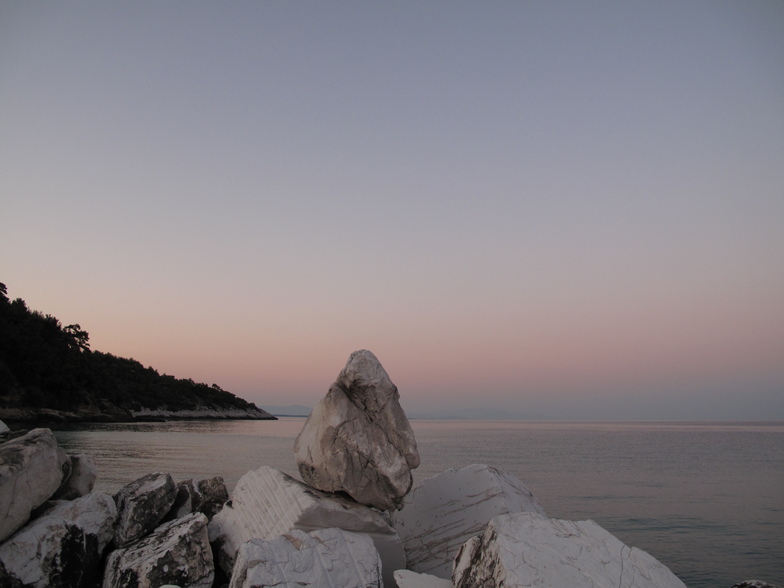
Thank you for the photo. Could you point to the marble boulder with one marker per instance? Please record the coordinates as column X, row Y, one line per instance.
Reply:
column 528, row 549
column 142, row 504
column 177, row 552
column 409, row 579
column 82, row 479
column 444, row 511
column 267, row 503
column 205, row 495
column 32, row 468
column 357, row 439
column 320, row 559
column 64, row 546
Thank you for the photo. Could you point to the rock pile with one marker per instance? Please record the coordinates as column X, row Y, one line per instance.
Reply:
column 354, row 521
column 56, row 531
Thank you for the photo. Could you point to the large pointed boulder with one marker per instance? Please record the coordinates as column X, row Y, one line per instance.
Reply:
column 357, row 439
column 528, row 549
column 32, row 467
column 444, row 511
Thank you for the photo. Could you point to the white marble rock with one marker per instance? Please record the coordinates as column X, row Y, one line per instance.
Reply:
column 82, row 479
column 142, row 504
column 267, row 503
column 177, row 552
column 64, row 546
column 357, row 439
column 409, row 579
column 324, row 558
column 32, row 467
column 442, row 512
column 527, row 549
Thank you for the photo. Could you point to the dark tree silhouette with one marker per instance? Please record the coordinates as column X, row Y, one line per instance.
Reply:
column 46, row 365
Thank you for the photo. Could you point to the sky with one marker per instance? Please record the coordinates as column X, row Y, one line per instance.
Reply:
column 567, row 210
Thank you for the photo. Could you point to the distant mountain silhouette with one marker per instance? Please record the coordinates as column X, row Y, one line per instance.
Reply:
column 484, row 414
column 49, row 372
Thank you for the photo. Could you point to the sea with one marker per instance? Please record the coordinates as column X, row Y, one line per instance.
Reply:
column 704, row 498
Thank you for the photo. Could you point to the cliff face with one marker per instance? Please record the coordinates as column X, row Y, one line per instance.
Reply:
column 49, row 373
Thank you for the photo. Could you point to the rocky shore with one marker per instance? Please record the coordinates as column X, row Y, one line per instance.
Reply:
column 113, row 414
column 355, row 521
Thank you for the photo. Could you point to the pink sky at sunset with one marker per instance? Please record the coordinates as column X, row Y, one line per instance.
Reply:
column 563, row 210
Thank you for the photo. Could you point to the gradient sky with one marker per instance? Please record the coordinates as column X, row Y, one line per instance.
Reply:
column 562, row 209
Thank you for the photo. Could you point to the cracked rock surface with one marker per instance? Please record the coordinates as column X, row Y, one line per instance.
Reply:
column 444, row 511
column 409, row 579
column 62, row 547
column 527, row 549
column 267, row 503
column 357, row 439
column 323, row 558
column 142, row 504
column 32, row 467
column 177, row 552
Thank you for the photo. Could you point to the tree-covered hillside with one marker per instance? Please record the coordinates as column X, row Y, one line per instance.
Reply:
column 45, row 365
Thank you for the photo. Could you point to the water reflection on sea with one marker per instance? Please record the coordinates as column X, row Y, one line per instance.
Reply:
column 707, row 499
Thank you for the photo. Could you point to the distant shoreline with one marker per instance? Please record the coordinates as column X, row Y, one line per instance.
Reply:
column 50, row 416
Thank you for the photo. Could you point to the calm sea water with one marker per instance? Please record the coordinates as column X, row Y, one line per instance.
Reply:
column 705, row 498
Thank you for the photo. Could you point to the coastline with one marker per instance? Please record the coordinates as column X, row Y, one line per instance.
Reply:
column 681, row 492
column 40, row 416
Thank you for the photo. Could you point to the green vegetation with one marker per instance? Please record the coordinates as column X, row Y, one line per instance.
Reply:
column 44, row 365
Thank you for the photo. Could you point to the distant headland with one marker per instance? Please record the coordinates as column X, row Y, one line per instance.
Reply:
column 48, row 373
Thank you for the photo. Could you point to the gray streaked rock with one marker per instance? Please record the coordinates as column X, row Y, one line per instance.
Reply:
column 82, row 478
column 209, row 495
column 527, row 549
column 177, row 552
column 205, row 495
column 444, row 511
column 32, row 467
column 182, row 505
column 357, row 439
column 320, row 559
column 4, row 428
column 267, row 503
column 64, row 546
column 142, row 504
column 409, row 579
